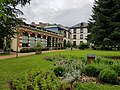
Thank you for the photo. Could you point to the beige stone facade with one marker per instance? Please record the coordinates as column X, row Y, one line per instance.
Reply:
column 79, row 33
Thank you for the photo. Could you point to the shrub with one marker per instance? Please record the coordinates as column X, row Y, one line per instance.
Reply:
column 83, row 46
column 108, row 76
column 116, row 68
column 25, row 50
column 68, row 44
column 104, row 60
column 35, row 80
column 94, row 69
column 59, row 71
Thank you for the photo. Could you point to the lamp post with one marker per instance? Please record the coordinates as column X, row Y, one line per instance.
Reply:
column 17, row 43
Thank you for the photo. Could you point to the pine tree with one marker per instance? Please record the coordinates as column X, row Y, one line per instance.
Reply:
column 105, row 23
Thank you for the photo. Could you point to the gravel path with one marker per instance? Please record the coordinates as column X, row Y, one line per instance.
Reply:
column 13, row 55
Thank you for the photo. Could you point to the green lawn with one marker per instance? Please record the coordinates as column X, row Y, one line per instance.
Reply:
column 10, row 68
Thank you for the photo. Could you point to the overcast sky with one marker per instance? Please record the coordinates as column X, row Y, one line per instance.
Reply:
column 65, row 12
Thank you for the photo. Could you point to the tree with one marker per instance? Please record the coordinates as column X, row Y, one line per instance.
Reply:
column 69, row 44
column 9, row 18
column 105, row 23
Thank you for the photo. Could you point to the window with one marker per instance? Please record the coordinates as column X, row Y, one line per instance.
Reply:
column 24, row 39
column 68, row 35
column 38, row 38
column 81, row 42
column 74, row 36
column 65, row 34
column 74, row 43
column 81, row 36
column 81, row 24
column 74, row 31
column 81, row 30
column 32, row 40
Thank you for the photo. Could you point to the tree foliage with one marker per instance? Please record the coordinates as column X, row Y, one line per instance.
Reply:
column 9, row 17
column 105, row 23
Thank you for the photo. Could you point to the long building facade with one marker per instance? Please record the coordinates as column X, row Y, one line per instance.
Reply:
column 50, row 36
column 29, row 35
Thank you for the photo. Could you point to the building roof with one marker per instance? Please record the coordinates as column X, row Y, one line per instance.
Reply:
column 80, row 25
column 57, row 26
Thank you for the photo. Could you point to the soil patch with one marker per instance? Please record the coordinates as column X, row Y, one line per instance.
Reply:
column 113, row 57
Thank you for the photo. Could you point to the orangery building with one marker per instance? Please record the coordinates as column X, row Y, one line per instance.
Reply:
column 29, row 35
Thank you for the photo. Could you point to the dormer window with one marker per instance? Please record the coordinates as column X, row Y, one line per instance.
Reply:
column 81, row 24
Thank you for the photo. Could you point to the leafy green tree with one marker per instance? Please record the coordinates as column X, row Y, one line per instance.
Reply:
column 9, row 18
column 105, row 23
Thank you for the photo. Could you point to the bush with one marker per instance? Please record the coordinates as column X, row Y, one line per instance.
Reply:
column 116, row 68
column 108, row 76
column 68, row 44
column 36, row 80
column 94, row 69
column 105, row 48
column 83, row 46
column 59, row 71
column 104, row 60
column 25, row 50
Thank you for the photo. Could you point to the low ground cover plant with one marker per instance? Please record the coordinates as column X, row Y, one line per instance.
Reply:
column 36, row 80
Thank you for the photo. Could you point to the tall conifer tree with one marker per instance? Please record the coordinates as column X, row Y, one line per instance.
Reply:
column 105, row 23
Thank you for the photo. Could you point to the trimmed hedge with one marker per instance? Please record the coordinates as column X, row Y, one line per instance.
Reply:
column 108, row 76
column 94, row 69
column 25, row 50
column 116, row 68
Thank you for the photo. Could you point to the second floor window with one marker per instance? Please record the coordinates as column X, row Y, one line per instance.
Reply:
column 65, row 34
column 74, row 30
column 81, row 36
column 74, row 36
column 81, row 30
column 68, row 36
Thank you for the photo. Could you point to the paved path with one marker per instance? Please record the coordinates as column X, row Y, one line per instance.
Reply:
column 13, row 55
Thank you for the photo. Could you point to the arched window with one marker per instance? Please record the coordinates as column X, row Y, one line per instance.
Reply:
column 44, row 41
column 32, row 40
column 24, row 39
column 38, row 38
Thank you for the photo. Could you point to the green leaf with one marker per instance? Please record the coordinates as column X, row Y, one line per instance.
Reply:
column 10, row 1
column 2, row 0
column 1, row 15
column 6, row 0
column 5, row 18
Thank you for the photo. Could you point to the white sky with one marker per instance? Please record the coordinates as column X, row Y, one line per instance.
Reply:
column 65, row 12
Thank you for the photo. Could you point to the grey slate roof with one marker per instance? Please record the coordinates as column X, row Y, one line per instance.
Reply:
column 80, row 25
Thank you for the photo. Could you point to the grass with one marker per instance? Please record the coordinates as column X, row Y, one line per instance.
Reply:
column 10, row 68
column 92, row 86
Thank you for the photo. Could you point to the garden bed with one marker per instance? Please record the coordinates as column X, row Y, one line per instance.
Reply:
column 113, row 57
